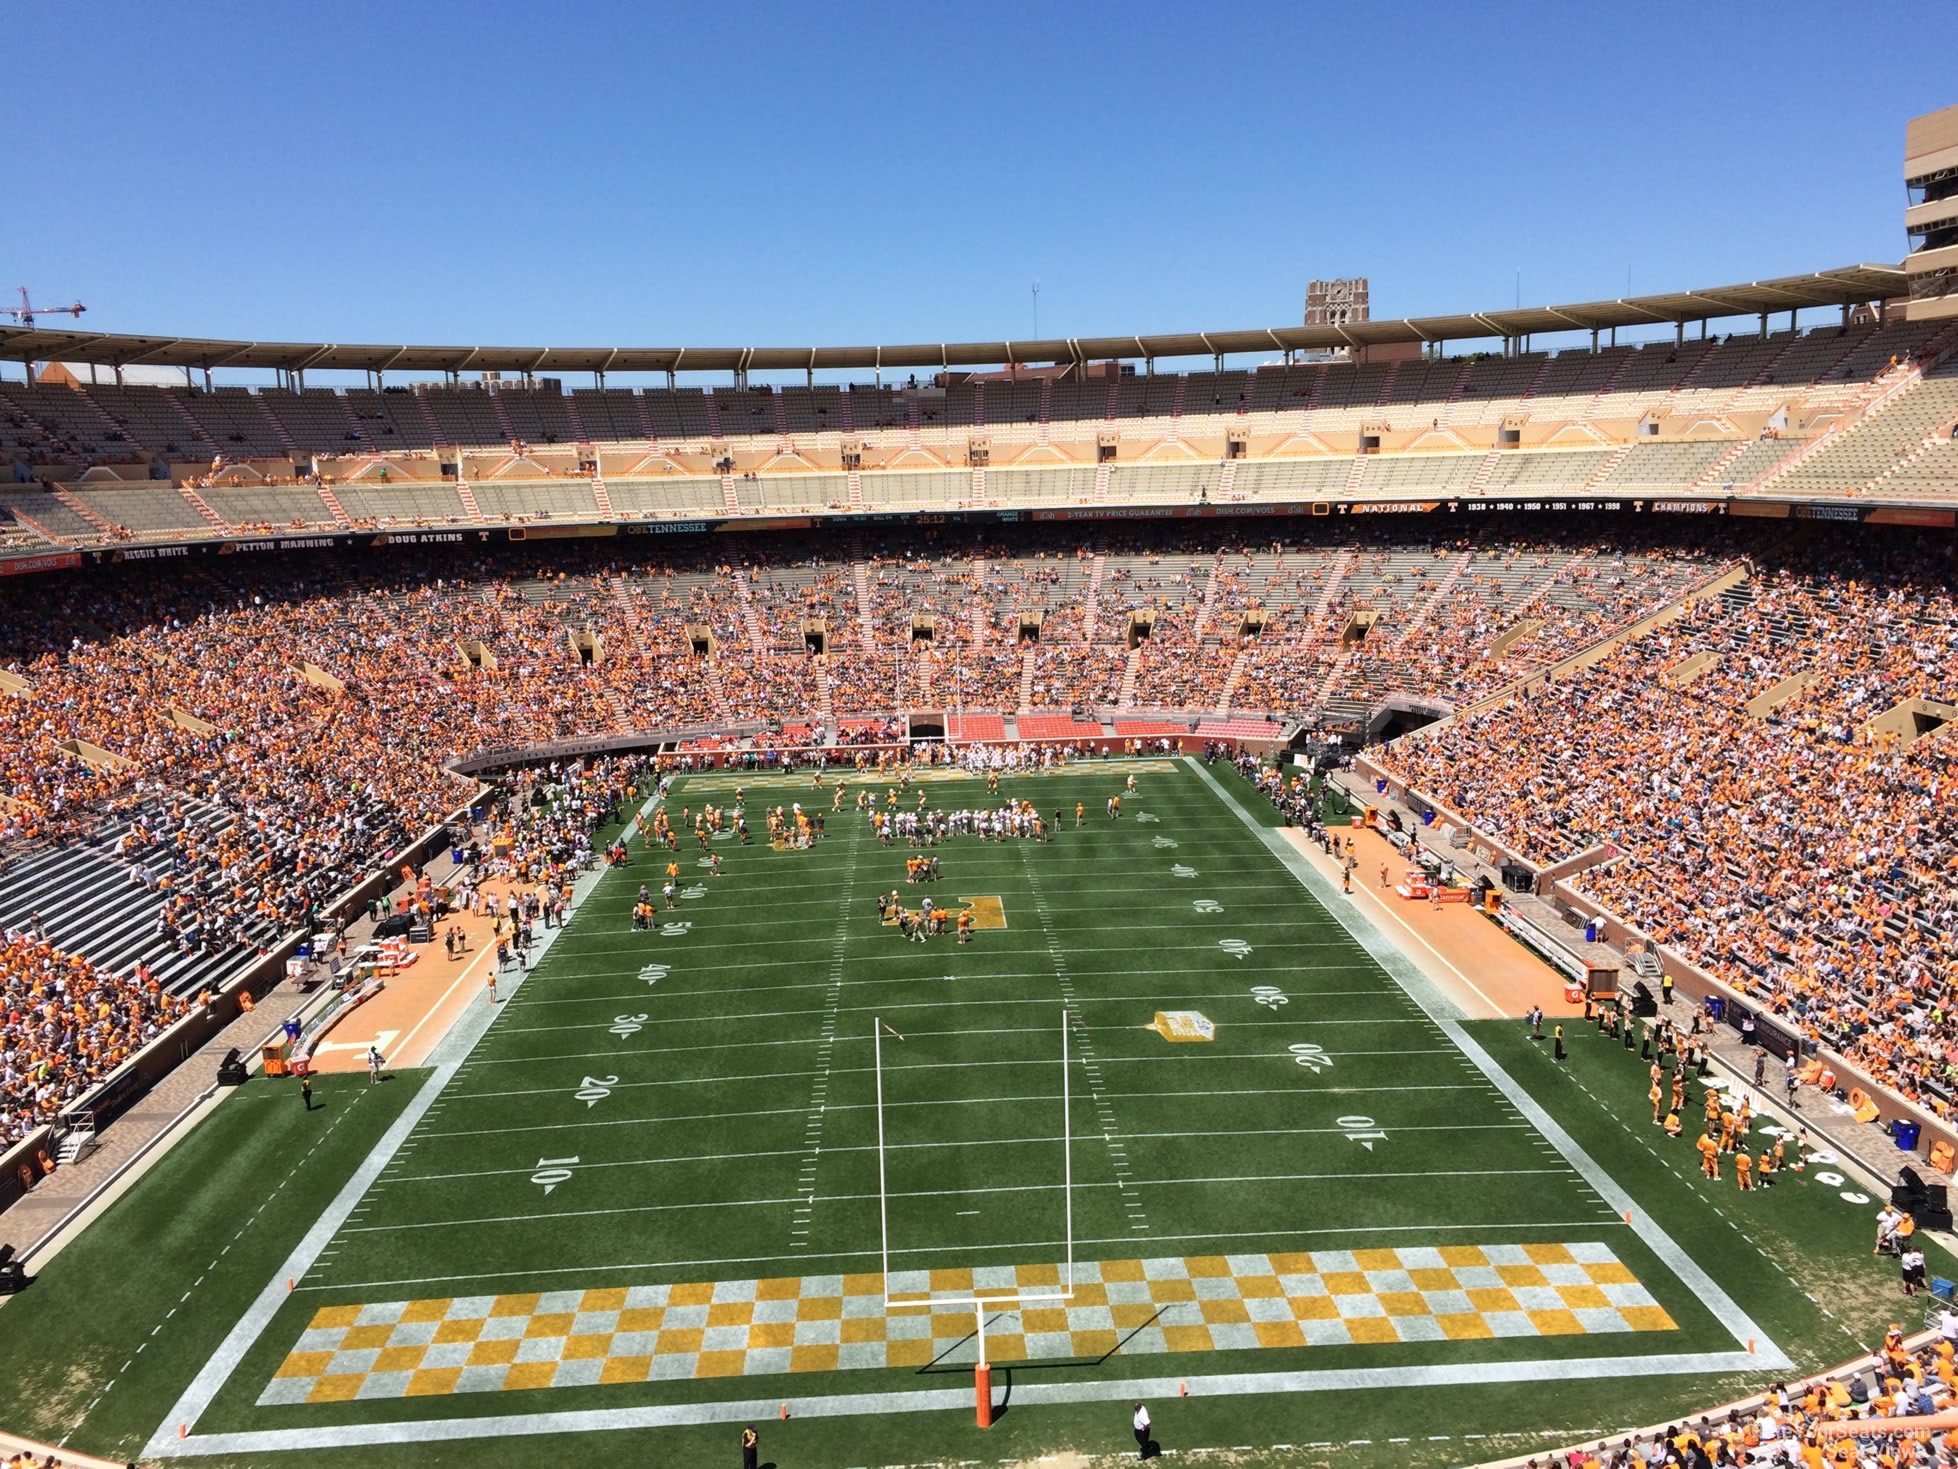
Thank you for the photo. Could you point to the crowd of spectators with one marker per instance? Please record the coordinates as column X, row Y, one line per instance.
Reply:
column 252, row 736
column 1768, row 829
column 66, row 1023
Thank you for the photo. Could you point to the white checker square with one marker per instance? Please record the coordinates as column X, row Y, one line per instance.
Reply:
column 540, row 1349
column 1509, row 1323
column 818, row 1333
column 578, row 1372
column 766, row 1360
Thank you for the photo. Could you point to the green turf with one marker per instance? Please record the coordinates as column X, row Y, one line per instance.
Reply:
column 729, row 1142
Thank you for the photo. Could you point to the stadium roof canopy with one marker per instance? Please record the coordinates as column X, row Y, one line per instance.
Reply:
column 1846, row 286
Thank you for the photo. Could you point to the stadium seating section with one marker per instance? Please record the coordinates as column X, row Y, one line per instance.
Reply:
column 1850, row 411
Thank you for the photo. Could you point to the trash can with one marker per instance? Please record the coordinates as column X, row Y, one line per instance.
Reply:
column 1716, row 1008
column 1427, row 818
column 1590, row 930
column 1906, row 1135
column 1379, row 787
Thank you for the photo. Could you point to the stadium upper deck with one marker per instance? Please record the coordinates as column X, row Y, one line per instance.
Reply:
column 1852, row 412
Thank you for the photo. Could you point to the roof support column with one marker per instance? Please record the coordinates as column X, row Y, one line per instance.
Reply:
column 1594, row 339
column 1679, row 333
column 1845, row 313
column 1764, row 323
column 672, row 380
column 208, row 387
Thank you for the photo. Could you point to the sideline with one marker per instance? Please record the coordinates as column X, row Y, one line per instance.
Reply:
column 172, row 1436
column 1768, row 1357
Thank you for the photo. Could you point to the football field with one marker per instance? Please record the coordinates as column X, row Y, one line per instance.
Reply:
column 1164, row 1124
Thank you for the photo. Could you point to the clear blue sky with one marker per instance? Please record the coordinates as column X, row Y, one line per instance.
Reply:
column 761, row 173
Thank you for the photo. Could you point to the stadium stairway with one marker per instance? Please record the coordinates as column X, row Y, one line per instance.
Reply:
column 203, row 507
column 81, row 508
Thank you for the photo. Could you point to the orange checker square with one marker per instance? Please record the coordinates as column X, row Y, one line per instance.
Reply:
column 339, row 1388
column 1093, row 1344
column 720, row 1364
column 863, row 1285
column 677, row 1339
column 554, row 1324
column 1610, row 1272
column 498, row 1353
column 1295, row 1263
column 1125, row 1272
column 1163, row 1291
column 399, row 1359
column 427, row 1310
column 1347, row 1283
column 359, row 1338
column 1371, row 1329
column 693, row 1293
column 782, row 1288
column 1032, row 1275
column 1223, row 1311
column 304, row 1364
column 771, row 1334
column 330, row 1316
column 626, row 1369
column 813, row 1358
column 819, row 1308
column 1556, row 1323
column 1089, row 1293
column 1648, row 1318
column 641, row 1318
column 1280, row 1334
column 433, row 1382
column 1458, row 1257
column 1207, row 1266
column 953, row 1324
column 949, row 1282
column 1403, row 1303
column 1044, row 1318
column 1433, row 1279
column 586, row 1348
column 1520, row 1277
column 1548, row 1254
column 731, row 1313
column 529, row 1376
column 610, row 1299
column 1464, row 1326
column 863, row 1328
column 1131, row 1315
column 448, row 1333
column 1314, row 1308
column 1492, row 1299
column 1188, row 1338
column 1007, row 1346
column 525, row 1305
column 1376, row 1260
column 1582, row 1297
column 908, row 1353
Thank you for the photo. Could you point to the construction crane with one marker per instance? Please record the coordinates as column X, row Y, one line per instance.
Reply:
column 27, row 311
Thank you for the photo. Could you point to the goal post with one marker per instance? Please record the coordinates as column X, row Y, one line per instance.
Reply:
column 980, row 1304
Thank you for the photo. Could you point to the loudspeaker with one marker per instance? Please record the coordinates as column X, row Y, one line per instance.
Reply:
column 1644, row 1006
column 1518, row 878
column 1936, row 1196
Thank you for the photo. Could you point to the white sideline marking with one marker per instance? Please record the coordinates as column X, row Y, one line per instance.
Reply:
column 933, row 1400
